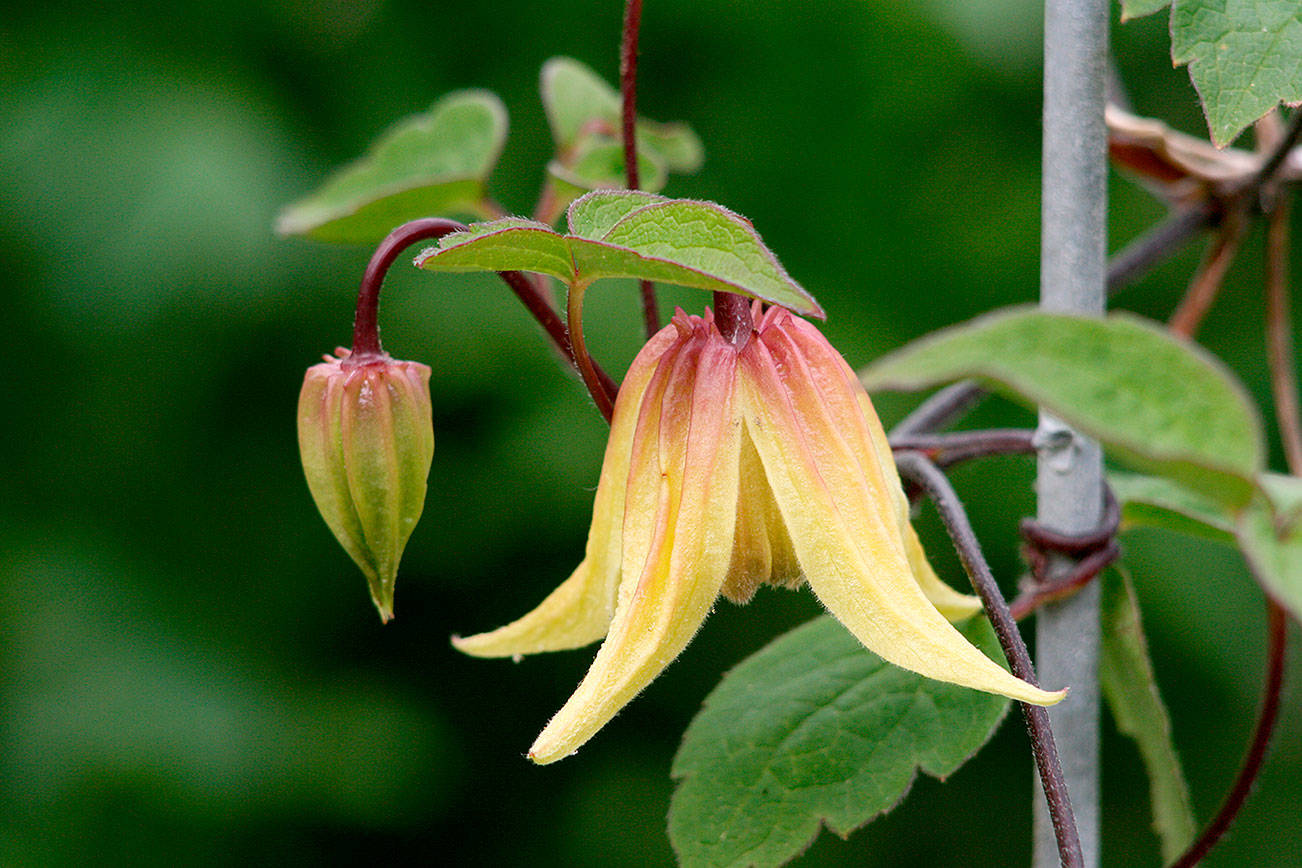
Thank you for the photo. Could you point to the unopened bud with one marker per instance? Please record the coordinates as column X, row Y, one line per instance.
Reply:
column 366, row 436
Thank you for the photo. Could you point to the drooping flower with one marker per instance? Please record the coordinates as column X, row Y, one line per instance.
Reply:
column 366, row 437
column 730, row 465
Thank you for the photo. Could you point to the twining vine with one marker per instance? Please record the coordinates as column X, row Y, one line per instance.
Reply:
column 369, row 482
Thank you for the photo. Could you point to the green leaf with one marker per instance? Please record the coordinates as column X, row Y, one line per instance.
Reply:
column 1139, row 8
column 578, row 104
column 508, row 244
column 635, row 235
column 594, row 216
column 600, row 165
column 573, row 96
column 676, row 144
column 1268, row 530
column 1270, row 534
column 814, row 730
column 1244, row 56
column 1129, row 684
column 1160, row 403
column 1150, row 501
column 429, row 164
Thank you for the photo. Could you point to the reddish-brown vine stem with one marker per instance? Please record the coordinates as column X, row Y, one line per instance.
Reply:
column 366, row 332
column 1279, row 335
column 628, row 131
column 1278, row 631
column 926, row 474
column 1207, row 283
column 1283, row 382
column 948, row 449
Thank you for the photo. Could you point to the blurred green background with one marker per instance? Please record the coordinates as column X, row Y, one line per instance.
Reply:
column 190, row 669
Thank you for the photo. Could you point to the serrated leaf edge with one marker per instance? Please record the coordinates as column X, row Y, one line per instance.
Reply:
column 747, row 226
column 460, row 239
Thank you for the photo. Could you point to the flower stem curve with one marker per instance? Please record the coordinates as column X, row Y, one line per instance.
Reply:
column 366, row 332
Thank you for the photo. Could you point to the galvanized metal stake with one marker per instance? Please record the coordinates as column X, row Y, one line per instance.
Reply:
column 1073, row 277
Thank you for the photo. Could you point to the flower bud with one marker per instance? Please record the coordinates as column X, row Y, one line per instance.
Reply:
column 366, row 436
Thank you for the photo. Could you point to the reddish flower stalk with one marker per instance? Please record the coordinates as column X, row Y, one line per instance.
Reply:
column 1207, row 283
column 366, row 332
column 1252, row 762
column 604, row 400
column 1284, row 387
column 732, row 316
column 628, row 130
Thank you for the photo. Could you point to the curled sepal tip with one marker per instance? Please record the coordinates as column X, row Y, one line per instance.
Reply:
column 366, row 437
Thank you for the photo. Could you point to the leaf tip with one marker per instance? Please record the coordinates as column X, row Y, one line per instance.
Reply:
column 289, row 223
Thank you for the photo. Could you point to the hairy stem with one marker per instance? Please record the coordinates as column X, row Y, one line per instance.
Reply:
column 366, row 327
column 933, row 481
column 628, row 131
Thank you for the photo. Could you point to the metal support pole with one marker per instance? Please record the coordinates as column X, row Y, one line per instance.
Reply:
column 1073, row 276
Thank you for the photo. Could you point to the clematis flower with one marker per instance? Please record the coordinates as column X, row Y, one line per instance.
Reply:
column 731, row 465
column 367, row 440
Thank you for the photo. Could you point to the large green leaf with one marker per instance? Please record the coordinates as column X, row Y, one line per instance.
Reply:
column 1158, row 402
column 1128, row 682
column 1244, row 56
column 1150, row 501
column 815, row 731
column 631, row 234
column 1270, row 534
column 430, row 164
column 579, row 104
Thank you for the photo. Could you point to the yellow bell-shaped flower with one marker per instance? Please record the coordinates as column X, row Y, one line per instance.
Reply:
column 730, row 465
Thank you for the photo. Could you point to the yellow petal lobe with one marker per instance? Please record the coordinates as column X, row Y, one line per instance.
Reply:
column 578, row 612
column 670, row 577
column 843, row 522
